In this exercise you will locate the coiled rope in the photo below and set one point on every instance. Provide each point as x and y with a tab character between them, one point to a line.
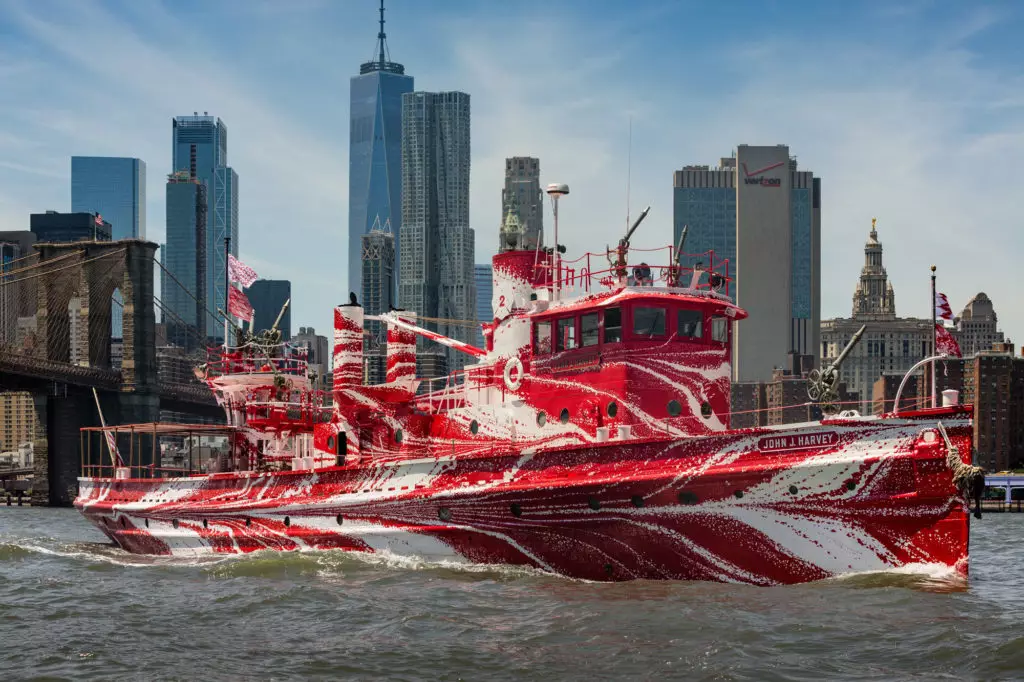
969	479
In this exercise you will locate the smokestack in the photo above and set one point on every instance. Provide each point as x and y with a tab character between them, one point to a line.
348	346
402	351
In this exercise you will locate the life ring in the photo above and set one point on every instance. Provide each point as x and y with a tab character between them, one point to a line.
514	365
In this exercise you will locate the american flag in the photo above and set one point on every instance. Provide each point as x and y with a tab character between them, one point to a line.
99	220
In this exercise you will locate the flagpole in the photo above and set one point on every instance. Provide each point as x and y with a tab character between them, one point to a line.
227	292
935	402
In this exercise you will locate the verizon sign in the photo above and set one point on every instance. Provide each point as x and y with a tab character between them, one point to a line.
756	177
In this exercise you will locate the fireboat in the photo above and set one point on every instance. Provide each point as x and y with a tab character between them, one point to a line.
589	438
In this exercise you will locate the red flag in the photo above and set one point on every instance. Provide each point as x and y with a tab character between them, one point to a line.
945	343
942	309
239	306
240	272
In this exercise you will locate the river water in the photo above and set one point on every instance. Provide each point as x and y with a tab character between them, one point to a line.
72	606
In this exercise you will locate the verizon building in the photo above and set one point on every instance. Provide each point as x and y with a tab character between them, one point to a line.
757	210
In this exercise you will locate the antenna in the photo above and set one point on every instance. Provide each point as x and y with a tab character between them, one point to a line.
556	191
381	35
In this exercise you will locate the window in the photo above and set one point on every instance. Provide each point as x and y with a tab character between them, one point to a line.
719	329
566	333
613	325
689	325
648	322
543	335
588	330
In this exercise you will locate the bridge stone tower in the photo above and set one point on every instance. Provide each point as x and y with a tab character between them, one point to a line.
90	272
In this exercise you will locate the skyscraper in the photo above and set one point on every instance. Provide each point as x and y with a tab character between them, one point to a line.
436	274
378	285
114	187
200	147
483	276
375	151
267	297
183	290
763	215
523	197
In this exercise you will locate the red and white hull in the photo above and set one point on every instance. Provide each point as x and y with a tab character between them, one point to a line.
761	506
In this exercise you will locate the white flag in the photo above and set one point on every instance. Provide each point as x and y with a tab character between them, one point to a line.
240	272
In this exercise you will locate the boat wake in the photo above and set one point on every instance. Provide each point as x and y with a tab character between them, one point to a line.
924	577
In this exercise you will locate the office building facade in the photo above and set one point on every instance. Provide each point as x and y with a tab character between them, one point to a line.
976	328
267	297
483	276
375	153
318	353
436	272
200	148
522	196
761	213
377	263
184	289
114	187
69	227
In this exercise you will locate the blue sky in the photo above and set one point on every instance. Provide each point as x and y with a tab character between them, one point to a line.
909	111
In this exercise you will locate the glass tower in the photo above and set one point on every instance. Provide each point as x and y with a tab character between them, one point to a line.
200	148
184	257
375	153
267	297
483	275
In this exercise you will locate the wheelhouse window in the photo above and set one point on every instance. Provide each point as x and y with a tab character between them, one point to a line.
613	325
689	325
543	337
566	333
648	322
719	329
588	330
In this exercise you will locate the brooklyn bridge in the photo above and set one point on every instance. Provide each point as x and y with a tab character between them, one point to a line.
56	306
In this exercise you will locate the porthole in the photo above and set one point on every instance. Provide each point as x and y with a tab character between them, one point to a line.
687	497
613	408
517	511
738	494
174	523
147	523
340	519
444	513
330	443
287	522
705	410
398	435
637	501
850	485
674	408
473	427
594	503
205	524
542	418
563	416
793	490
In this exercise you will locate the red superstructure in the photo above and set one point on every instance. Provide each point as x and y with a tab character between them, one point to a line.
590	438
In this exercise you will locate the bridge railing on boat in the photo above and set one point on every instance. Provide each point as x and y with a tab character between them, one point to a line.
596	271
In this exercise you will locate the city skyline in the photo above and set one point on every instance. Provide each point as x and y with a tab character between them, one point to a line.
902	142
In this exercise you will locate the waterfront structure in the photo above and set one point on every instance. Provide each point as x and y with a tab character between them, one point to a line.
10	252
483	276
436	272
377	264
54	226
200	148
763	214
184	289
890	344
375	152
976	328
267	297
522	196
114	187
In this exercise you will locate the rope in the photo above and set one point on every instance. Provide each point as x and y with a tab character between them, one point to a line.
969	479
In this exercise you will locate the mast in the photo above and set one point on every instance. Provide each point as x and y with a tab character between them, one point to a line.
934	340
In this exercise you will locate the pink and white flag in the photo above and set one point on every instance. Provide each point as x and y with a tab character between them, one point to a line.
239	306
942	309
240	272
945	343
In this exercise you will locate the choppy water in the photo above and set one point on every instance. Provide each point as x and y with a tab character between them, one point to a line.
72	606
